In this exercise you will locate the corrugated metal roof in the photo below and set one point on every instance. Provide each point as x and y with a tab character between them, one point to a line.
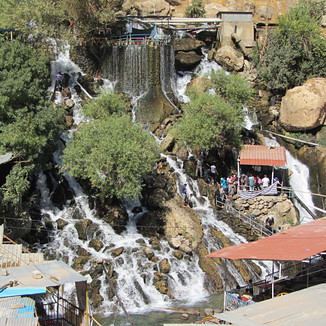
54	273
235	16
17	311
297	243
300	308
263	155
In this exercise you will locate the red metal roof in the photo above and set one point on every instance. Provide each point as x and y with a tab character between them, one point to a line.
263	155
297	243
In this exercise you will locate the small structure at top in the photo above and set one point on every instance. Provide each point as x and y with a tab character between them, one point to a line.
237	25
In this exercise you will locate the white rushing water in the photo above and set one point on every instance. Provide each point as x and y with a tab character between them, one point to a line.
134	272
299	182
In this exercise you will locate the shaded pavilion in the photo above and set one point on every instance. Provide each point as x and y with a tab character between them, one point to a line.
296	244
259	155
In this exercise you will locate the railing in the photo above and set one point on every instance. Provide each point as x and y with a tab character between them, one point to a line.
61	312
231	302
251	220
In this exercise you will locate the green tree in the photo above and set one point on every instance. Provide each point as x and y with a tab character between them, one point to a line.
208	122
196	9
105	105
234	89
296	50
29	125
113	154
38	19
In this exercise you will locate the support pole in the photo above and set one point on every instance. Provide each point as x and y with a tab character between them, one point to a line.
272	181
238	164
273	281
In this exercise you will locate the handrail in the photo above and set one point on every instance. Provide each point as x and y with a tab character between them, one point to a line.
13	242
246	219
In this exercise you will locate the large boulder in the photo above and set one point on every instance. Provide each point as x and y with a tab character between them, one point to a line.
230	58
187	60
304	107
187	44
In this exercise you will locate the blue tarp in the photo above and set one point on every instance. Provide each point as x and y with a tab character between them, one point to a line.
12	291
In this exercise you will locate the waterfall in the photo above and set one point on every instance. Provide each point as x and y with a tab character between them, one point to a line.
127	67
299	182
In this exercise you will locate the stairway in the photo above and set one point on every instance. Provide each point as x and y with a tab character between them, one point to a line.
13	254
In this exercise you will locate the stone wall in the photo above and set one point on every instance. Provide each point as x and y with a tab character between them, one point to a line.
280	207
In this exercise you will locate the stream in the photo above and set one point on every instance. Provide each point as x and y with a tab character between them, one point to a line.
134	271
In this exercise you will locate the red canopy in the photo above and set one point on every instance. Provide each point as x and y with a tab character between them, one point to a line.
263	155
297	243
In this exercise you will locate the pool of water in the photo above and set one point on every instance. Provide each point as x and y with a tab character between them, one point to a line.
158	318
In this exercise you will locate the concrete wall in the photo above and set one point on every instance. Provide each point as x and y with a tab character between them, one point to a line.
244	30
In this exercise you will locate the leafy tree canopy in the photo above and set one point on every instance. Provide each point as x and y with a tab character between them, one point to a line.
208	121
29	125
234	89
24	77
113	154
296	50
106	104
51	18
196	9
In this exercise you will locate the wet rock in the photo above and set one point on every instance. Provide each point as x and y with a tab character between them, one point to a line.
148	253
69	120
142	293
151	223
164	266
178	254
168	143
82	252
93	231
114	214
94	293
140	241
137	210
117	252
78	214
81	228
162	286
107	248
79	262
68	104
61	223
155	242
96	244
187	60
157	198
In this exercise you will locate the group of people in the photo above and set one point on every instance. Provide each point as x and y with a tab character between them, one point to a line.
187	200
251	182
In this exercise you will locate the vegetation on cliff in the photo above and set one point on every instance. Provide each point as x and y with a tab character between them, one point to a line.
213	118
112	152
296	50
39	18
29	124
196	9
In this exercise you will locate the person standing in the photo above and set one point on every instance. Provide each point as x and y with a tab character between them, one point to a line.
199	168
251	183
184	194
265	181
213	172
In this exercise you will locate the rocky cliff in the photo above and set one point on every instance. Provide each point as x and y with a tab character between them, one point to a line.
261	9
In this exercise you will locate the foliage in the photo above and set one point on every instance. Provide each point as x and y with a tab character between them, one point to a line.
38	19
208	122
29	125
105	105
296	50
196	9
234	89
17	184
24	76
114	154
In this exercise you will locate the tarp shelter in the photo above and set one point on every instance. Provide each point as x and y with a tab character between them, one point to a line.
296	244
300	308
263	155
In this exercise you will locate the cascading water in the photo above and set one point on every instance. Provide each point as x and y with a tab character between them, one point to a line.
134	271
299	182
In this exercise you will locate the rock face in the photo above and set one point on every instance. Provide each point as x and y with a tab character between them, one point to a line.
280	207
304	107
187	60
229	58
